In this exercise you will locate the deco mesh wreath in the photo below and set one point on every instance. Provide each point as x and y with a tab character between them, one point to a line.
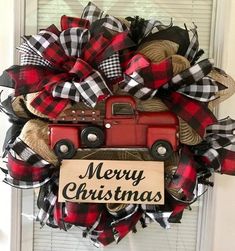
90	59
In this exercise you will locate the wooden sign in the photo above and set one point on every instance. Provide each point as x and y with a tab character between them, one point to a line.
110	181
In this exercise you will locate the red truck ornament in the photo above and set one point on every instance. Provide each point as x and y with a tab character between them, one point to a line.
122	127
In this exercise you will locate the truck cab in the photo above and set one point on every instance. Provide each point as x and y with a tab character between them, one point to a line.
123	126
128	127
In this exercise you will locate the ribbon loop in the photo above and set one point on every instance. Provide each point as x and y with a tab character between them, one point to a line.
154	75
73	40
91	12
72	22
41	41
191	75
203	90
98	20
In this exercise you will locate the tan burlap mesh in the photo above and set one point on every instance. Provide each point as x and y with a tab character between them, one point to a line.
156	51
35	135
225	80
115	207
18	108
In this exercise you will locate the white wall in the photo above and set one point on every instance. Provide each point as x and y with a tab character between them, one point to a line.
6	60
224	232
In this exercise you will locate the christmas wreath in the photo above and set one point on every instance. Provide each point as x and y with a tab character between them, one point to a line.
90	59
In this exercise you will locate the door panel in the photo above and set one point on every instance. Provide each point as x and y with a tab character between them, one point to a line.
122	132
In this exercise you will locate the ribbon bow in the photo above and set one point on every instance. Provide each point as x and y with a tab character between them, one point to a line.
180	93
80	59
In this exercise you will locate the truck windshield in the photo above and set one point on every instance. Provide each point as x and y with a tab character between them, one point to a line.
122	109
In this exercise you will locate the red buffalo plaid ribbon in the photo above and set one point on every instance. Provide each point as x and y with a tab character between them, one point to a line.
155	74
185	176
147	80
67	22
25	168
83	214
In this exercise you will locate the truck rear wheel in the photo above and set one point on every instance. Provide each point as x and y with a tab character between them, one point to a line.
64	149
92	137
161	150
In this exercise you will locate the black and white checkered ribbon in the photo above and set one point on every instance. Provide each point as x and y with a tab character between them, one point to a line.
203	90
66	90
24	48
222	134
152	213
114	24
213	158
191	82
26	154
224	127
191	75
219	137
134	85
47	205
193	46
38	43
111	66
90	90
92	13
30	57
32	47
73	40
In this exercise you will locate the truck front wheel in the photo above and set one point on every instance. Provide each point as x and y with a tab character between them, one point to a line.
64	149
92	137
161	150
